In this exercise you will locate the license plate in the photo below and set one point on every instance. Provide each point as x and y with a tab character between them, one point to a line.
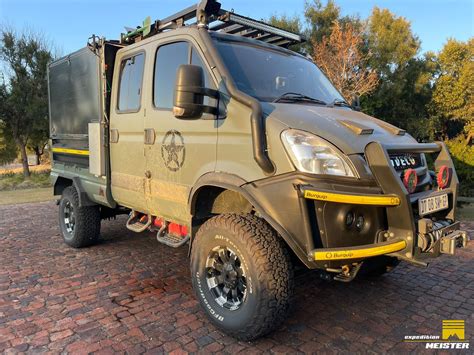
432	204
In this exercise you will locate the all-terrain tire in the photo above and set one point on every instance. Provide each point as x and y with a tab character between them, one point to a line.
263	259
80	226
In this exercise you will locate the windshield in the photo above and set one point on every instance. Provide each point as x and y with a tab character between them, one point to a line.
268	74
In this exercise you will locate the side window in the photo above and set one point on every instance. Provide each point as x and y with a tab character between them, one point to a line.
168	59
130	89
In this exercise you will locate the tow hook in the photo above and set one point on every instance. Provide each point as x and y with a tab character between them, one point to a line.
452	241
346	273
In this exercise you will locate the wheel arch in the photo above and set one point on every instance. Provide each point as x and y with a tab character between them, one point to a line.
230	186
62	183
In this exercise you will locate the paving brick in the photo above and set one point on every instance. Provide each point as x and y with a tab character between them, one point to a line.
130	294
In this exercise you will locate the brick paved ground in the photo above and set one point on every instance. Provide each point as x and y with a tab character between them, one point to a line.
130	293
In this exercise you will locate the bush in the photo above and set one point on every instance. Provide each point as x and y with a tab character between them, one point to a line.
16	181
463	158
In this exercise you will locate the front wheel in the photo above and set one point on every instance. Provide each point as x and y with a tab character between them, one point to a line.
242	275
80	226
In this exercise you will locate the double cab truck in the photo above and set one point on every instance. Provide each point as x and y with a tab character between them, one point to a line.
205	129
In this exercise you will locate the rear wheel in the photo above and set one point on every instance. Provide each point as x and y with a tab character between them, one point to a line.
242	275
80	226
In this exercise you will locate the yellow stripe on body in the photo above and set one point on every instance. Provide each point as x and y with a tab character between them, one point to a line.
359	253
70	151
375	200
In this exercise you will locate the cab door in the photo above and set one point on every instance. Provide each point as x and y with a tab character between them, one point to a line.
127	156
178	151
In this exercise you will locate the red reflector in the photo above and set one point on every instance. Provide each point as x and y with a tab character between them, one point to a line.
410	180
158	222
174	228
443	177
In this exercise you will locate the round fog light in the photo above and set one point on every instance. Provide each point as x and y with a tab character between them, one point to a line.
360	222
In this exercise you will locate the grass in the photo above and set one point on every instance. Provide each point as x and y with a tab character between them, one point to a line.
13	179
26	196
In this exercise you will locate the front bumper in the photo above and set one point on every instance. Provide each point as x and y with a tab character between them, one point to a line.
309	212
408	236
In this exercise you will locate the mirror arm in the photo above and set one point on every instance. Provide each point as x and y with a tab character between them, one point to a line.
200	91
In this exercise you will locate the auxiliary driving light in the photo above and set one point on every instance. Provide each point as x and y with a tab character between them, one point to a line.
360	222
443	177
410	180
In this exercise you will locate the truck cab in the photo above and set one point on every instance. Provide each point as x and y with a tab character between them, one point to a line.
216	135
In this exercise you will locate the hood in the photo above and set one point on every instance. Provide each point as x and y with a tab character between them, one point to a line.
348	130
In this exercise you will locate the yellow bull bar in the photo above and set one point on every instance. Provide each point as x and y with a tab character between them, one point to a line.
352	198
358	252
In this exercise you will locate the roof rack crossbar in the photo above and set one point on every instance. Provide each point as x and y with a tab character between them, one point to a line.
209	11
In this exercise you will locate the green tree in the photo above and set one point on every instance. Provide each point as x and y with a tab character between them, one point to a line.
453	98
24	108
8	150
405	80
403	96
391	41
320	18
289	23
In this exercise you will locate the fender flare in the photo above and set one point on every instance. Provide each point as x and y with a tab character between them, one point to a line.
236	183
75	181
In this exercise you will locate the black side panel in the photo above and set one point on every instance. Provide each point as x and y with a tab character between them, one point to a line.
74	93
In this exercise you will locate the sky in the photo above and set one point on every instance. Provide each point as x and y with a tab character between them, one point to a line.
68	23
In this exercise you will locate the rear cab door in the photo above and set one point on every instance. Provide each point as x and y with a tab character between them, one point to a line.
127	157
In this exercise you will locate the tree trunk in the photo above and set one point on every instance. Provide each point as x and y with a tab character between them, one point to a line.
24	159
38	154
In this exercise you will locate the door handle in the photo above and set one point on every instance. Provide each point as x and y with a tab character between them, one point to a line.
114	135
149	136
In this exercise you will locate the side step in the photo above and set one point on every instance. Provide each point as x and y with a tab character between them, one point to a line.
171	240
136	222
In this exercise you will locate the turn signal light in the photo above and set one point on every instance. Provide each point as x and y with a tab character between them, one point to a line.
410	180
443	177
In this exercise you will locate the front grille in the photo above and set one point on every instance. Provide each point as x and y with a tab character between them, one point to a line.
405	161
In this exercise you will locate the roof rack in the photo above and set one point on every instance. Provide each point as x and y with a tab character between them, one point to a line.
208	12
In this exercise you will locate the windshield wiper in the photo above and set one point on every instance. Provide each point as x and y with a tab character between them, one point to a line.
339	102
296	97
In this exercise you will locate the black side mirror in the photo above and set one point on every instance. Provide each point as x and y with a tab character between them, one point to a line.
189	93
356	102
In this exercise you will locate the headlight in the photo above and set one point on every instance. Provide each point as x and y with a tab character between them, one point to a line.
314	155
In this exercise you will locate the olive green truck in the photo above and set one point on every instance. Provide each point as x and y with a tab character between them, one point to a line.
207	130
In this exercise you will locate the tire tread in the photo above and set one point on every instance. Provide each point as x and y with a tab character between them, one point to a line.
87	229
274	270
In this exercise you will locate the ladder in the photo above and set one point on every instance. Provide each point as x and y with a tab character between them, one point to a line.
208	14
